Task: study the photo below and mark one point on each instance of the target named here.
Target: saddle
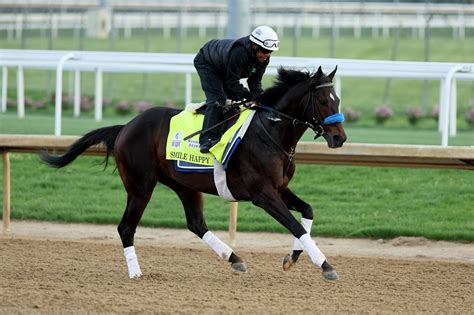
(186, 152)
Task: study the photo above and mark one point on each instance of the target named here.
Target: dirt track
(53, 268)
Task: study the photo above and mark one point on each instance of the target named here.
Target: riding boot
(212, 117)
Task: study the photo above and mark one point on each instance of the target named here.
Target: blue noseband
(334, 119)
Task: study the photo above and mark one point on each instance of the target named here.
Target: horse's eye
(324, 102)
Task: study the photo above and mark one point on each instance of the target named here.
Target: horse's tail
(105, 135)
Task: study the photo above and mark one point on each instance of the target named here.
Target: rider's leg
(213, 88)
(212, 117)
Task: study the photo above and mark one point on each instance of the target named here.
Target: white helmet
(265, 37)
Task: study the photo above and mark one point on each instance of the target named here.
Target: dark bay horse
(259, 171)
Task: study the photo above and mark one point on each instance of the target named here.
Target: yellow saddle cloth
(187, 151)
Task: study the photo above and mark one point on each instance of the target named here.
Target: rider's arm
(255, 80)
(237, 60)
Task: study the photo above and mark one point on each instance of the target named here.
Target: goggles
(268, 43)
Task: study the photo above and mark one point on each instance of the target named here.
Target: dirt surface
(49, 268)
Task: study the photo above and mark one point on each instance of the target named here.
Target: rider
(221, 64)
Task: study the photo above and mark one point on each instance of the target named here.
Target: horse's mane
(286, 79)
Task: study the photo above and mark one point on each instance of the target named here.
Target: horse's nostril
(339, 140)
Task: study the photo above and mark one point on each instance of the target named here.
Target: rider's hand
(231, 109)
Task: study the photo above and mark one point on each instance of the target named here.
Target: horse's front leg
(271, 202)
(293, 202)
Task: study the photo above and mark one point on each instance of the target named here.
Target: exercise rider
(221, 64)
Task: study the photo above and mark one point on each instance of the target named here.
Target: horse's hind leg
(293, 202)
(137, 200)
(193, 207)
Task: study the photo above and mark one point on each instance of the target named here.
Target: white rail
(100, 62)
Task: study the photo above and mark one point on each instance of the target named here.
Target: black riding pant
(214, 89)
(211, 82)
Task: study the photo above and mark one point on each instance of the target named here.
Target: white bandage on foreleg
(307, 224)
(134, 271)
(217, 245)
(316, 255)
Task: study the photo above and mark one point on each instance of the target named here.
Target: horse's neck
(282, 130)
(291, 129)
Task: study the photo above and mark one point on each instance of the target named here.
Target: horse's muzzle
(334, 141)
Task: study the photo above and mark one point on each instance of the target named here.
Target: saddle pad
(186, 152)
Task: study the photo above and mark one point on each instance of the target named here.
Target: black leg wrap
(295, 255)
(326, 266)
(235, 259)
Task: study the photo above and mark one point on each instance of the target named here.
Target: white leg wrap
(218, 246)
(307, 224)
(134, 271)
(316, 255)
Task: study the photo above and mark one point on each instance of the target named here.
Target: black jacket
(233, 60)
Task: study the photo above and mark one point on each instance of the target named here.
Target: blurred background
(441, 31)
(359, 201)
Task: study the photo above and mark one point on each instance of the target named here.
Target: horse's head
(324, 109)
(308, 101)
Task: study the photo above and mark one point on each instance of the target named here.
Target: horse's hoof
(330, 275)
(239, 267)
(135, 276)
(287, 262)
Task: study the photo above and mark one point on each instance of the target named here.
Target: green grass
(348, 201)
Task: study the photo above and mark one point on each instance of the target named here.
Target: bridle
(317, 125)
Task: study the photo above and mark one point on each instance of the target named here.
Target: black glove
(249, 96)
(231, 109)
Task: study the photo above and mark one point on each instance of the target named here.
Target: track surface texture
(51, 268)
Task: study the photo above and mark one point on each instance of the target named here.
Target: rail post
(233, 223)
(20, 91)
(98, 94)
(4, 88)
(447, 101)
(6, 193)
(59, 91)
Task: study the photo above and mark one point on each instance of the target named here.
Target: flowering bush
(351, 115)
(142, 106)
(106, 102)
(382, 113)
(469, 115)
(40, 104)
(169, 104)
(85, 103)
(28, 102)
(435, 112)
(414, 114)
(11, 102)
(123, 108)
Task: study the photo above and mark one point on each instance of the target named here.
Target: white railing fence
(100, 62)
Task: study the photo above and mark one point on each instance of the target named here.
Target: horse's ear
(331, 75)
(319, 73)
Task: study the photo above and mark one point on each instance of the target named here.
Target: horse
(259, 171)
